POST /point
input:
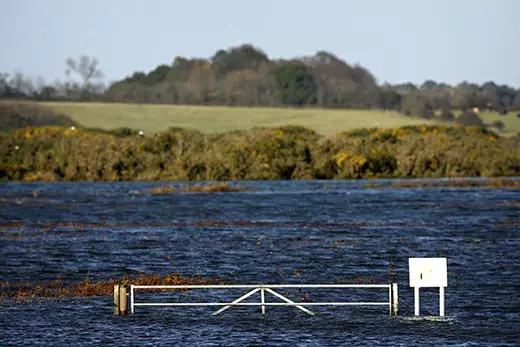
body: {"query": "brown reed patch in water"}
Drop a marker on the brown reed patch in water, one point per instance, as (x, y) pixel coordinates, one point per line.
(373, 185)
(494, 184)
(342, 243)
(213, 188)
(197, 188)
(10, 225)
(58, 289)
(168, 189)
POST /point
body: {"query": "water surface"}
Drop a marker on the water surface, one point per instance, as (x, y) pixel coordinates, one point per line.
(278, 232)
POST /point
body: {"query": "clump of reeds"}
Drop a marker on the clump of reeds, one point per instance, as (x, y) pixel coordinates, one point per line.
(166, 189)
(58, 289)
(372, 185)
(196, 188)
(213, 188)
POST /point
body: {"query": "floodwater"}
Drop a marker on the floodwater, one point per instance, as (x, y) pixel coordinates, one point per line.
(278, 232)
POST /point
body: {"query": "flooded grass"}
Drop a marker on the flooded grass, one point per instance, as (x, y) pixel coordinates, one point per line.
(197, 188)
(59, 289)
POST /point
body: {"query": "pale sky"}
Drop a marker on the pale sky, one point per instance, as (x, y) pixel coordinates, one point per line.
(397, 40)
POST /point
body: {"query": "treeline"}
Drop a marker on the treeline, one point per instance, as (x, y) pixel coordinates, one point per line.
(246, 76)
(289, 152)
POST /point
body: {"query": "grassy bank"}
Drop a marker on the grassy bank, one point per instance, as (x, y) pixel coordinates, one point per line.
(65, 154)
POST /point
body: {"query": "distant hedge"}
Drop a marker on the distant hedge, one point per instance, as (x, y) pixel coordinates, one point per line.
(21, 115)
(289, 152)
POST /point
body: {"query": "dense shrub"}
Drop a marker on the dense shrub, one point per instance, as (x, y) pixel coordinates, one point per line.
(20, 115)
(290, 152)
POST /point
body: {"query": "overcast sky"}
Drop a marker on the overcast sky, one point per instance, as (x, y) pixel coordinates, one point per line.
(397, 40)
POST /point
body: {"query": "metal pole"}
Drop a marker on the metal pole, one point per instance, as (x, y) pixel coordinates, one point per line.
(262, 297)
(390, 298)
(441, 301)
(417, 300)
(287, 303)
(132, 310)
(229, 286)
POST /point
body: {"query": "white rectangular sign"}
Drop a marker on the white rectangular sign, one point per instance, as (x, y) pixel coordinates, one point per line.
(428, 272)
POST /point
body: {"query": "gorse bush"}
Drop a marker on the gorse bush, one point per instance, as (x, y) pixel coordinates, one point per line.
(289, 152)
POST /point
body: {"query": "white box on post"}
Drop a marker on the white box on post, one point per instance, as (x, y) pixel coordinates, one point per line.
(428, 272)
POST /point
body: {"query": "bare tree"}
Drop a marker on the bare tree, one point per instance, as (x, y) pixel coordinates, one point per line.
(87, 69)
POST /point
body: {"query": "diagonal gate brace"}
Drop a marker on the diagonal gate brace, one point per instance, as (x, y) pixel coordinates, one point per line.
(243, 297)
(278, 295)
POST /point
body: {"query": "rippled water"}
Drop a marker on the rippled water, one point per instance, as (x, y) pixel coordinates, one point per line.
(279, 232)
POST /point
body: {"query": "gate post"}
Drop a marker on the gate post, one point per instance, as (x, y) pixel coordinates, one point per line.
(116, 299)
(120, 299)
(395, 300)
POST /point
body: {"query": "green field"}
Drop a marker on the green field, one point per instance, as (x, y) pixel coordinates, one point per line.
(154, 118)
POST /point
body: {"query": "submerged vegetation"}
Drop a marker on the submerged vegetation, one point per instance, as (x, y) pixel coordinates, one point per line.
(54, 153)
(59, 289)
(197, 188)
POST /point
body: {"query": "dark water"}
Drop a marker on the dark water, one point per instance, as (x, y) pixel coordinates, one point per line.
(281, 232)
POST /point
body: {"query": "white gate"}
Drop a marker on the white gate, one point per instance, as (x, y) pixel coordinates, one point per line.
(391, 304)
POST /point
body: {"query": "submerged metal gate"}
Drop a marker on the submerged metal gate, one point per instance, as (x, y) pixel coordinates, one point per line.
(121, 293)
